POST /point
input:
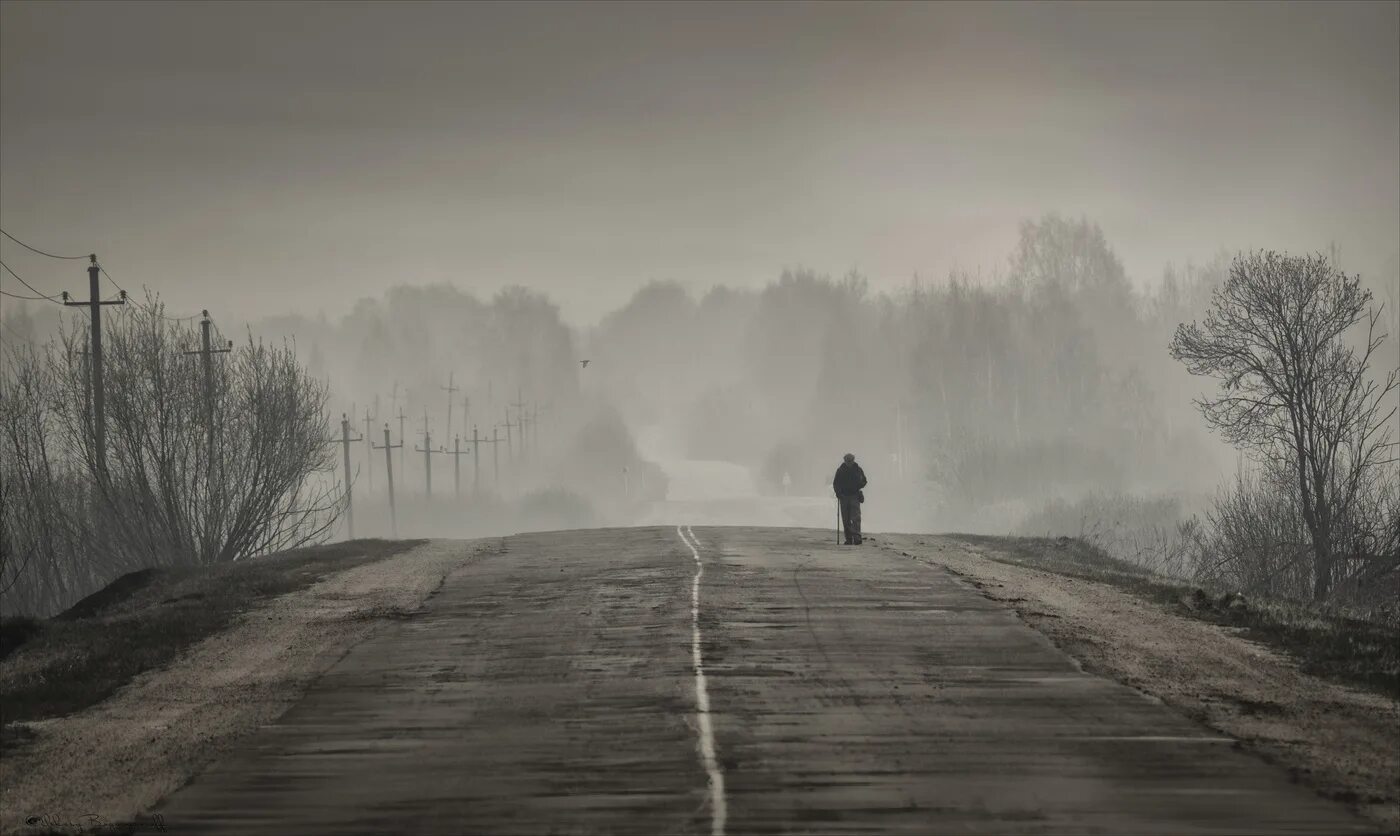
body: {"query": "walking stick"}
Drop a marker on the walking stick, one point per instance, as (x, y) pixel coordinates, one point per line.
(839, 521)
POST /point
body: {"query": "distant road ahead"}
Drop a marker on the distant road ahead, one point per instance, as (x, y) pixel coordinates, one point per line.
(553, 689)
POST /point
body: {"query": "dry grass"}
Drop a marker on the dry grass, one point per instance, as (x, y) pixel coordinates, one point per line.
(1167, 641)
(1333, 645)
(144, 620)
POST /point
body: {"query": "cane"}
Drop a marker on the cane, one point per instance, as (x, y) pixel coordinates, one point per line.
(839, 521)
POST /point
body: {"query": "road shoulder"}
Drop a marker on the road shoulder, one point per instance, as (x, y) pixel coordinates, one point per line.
(118, 758)
(1342, 742)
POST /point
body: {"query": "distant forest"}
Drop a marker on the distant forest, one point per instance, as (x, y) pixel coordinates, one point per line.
(1041, 400)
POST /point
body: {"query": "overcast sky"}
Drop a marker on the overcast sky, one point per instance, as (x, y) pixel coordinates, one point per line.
(258, 157)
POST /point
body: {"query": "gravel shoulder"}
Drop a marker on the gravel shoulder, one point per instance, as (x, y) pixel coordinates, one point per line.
(1342, 742)
(113, 761)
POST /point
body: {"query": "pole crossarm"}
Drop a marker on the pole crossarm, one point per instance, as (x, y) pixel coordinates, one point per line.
(74, 303)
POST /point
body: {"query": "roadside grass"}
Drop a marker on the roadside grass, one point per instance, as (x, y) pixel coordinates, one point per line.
(144, 620)
(1328, 644)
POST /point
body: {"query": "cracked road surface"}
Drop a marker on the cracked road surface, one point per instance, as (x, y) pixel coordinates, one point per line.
(553, 688)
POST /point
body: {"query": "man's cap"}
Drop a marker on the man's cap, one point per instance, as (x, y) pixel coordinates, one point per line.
(850, 457)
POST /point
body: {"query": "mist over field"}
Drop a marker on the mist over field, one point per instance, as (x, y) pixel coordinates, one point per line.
(1040, 400)
(1043, 400)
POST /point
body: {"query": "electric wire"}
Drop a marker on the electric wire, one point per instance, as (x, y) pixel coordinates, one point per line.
(143, 306)
(39, 251)
(41, 295)
(151, 309)
(26, 298)
(109, 277)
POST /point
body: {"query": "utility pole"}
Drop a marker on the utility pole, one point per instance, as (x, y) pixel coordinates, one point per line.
(401, 420)
(456, 453)
(427, 452)
(389, 472)
(94, 305)
(369, 457)
(496, 457)
(87, 389)
(449, 389)
(535, 424)
(208, 355)
(369, 451)
(476, 462)
(495, 442)
(520, 419)
(345, 440)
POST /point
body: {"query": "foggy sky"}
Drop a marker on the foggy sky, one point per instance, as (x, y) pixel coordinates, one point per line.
(260, 157)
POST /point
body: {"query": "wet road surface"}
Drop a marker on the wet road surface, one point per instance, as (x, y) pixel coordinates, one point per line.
(552, 688)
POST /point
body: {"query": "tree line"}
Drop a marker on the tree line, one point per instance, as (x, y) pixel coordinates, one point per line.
(194, 473)
(1058, 383)
(1053, 390)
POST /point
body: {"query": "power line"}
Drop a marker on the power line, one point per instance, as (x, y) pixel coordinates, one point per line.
(37, 250)
(109, 278)
(26, 298)
(145, 307)
(41, 295)
(55, 299)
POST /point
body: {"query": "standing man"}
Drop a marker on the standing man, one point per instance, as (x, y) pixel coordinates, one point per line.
(849, 481)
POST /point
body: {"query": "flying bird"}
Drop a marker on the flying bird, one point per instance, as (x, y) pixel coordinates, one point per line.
(583, 363)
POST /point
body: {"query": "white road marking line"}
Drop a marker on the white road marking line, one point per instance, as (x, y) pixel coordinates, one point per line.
(706, 744)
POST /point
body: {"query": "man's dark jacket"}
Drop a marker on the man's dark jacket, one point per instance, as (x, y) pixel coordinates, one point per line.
(849, 479)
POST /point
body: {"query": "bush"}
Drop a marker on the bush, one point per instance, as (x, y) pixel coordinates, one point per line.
(1258, 542)
(190, 474)
(1153, 532)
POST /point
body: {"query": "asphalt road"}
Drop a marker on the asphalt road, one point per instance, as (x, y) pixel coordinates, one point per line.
(553, 689)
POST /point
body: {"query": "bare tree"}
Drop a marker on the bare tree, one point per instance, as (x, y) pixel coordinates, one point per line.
(38, 487)
(178, 487)
(1283, 337)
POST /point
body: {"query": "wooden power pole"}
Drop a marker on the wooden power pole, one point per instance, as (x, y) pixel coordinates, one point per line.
(449, 389)
(207, 354)
(389, 474)
(476, 462)
(94, 305)
(520, 419)
(345, 440)
(402, 418)
(369, 452)
(456, 453)
(495, 443)
(427, 452)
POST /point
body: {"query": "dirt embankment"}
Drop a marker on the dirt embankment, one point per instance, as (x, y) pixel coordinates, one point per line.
(1343, 742)
(116, 759)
